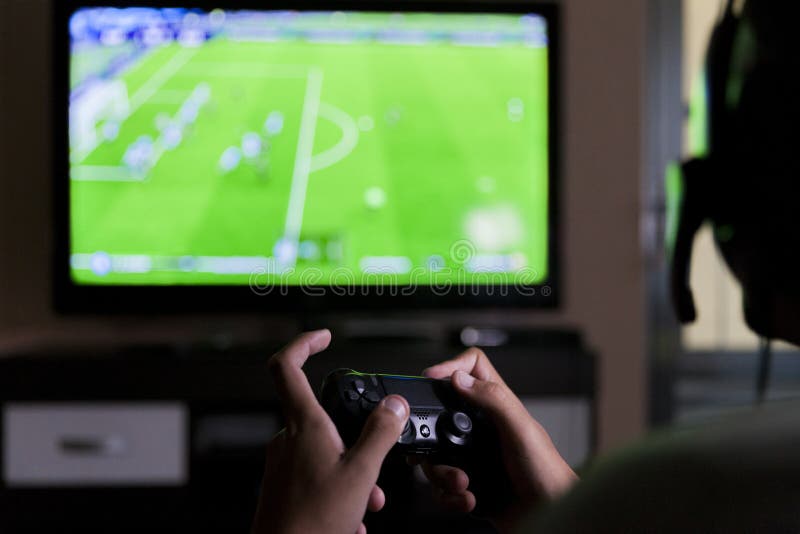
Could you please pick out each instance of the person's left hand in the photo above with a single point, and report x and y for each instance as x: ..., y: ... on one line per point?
x: 311, y: 482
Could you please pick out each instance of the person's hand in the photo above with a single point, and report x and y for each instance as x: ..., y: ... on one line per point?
x: 537, y: 471
x: 311, y: 482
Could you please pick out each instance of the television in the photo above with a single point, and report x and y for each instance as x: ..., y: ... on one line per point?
x: 250, y: 156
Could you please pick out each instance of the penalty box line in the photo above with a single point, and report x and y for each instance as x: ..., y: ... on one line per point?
x: 176, y: 61
x: 115, y: 173
x: 302, y: 162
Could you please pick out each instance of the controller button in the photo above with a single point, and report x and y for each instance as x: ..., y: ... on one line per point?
x: 351, y: 395
x: 372, y: 396
x: 358, y: 385
x: 366, y: 405
x: 462, y: 423
x: 424, y: 431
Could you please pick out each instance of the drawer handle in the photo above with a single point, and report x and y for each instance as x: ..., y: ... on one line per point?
x: 92, y: 445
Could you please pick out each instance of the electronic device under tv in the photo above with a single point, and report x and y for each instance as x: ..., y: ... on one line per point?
x: 232, y: 156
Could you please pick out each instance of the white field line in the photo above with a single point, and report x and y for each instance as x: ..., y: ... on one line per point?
x: 302, y: 161
x: 147, y: 90
x: 346, y: 144
x: 160, y: 78
x: 102, y: 173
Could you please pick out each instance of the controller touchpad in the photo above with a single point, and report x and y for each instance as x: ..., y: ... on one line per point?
x: 420, y: 392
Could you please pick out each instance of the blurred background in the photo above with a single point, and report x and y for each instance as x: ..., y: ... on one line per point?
x: 603, y: 368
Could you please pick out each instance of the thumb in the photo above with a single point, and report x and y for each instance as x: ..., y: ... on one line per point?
x: 380, y: 433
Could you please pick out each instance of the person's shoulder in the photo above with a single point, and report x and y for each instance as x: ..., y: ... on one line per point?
x: 737, y: 473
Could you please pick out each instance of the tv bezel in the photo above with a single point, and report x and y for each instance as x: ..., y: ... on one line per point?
x: 70, y: 297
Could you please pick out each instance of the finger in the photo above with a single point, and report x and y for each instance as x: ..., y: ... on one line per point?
x: 446, y: 478
x: 520, y: 434
x: 376, y: 499
x: 296, y: 395
x: 472, y: 361
x: 276, y: 444
x: 456, y: 502
x: 494, y: 398
x: 362, y: 529
x: 381, y: 431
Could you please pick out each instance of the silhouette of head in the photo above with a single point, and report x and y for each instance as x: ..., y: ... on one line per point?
x: 747, y: 186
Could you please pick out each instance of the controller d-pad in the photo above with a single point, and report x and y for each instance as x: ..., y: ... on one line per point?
x: 358, y: 385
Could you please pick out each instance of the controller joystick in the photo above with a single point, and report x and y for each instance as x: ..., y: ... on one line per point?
x: 456, y: 427
x: 408, y: 434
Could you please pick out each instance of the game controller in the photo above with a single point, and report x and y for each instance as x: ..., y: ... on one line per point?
x: 442, y: 427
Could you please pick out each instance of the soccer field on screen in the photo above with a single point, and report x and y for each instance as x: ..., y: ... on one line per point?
x: 298, y: 160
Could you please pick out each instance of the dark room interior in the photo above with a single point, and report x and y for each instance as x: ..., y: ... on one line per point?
x: 187, y: 187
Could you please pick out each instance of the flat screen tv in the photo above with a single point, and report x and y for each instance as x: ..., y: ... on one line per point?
x: 232, y: 156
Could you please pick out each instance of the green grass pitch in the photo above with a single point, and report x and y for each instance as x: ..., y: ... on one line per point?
x: 427, y: 125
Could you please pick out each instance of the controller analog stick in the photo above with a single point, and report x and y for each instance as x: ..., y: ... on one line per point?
x: 462, y: 424
x: 457, y: 427
x: 408, y: 433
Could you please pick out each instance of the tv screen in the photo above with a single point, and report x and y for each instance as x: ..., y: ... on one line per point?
x: 293, y: 148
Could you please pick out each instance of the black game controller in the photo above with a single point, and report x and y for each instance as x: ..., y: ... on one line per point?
x: 442, y: 427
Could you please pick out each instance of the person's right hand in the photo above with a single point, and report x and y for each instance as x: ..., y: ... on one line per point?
x: 537, y: 471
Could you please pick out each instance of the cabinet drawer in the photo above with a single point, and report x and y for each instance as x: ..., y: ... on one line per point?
x: 82, y: 444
